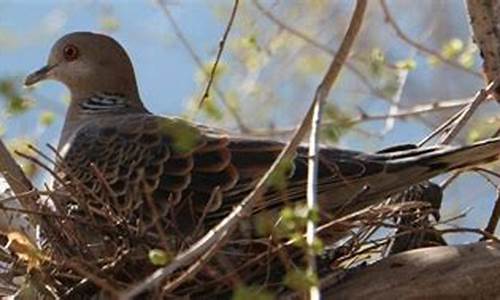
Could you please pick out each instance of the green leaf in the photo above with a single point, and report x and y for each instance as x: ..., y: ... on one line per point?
x: 250, y: 42
x: 211, y: 110
x: 377, y: 61
x: 338, y: 121
x: 17, y: 105
x: 467, y: 60
x: 264, y: 223
x: 185, y: 137
x: 160, y: 257
x: 310, y: 65
x: 407, y: 64
x: 313, y: 215
x: 109, y: 23
x: 252, y: 293
x: 452, y: 48
x: 279, y: 179
x: 300, y: 280
x: 317, y: 246
x: 47, y: 118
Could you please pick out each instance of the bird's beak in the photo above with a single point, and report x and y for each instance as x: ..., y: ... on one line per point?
x: 39, y: 75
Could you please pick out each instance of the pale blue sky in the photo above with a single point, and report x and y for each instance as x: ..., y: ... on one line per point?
x: 166, y: 73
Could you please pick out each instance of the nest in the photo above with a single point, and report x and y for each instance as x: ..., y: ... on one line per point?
x: 97, y: 252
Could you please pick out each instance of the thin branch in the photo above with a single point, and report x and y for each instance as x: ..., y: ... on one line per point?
x: 222, y: 43
x: 469, y: 111
x: 180, y: 35
x: 313, y: 160
x: 405, y: 38
x: 413, y: 111
x: 441, y: 128
x: 495, y: 215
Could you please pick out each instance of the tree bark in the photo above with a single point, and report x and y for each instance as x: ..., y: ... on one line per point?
x: 484, y: 21
x: 447, y: 272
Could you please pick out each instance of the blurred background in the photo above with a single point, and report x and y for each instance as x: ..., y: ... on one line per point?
x: 276, y: 54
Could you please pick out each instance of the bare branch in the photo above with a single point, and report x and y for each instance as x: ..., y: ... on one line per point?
x: 20, y: 185
x: 222, y: 42
x: 363, y: 117
x: 325, y: 48
x: 180, y: 35
x: 405, y: 38
x: 468, y: 112
x: 495, y: 215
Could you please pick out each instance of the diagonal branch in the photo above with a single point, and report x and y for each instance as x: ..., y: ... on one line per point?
x: 222, y: 43
x: 206, y: 245
x: 468, y: 111
x: 19, y: 183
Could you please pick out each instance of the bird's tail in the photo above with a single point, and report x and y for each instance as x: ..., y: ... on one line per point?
x: 441, y: 159
x: 392, y: 171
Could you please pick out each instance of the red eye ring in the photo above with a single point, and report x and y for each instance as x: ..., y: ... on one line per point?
x: 70, y: 52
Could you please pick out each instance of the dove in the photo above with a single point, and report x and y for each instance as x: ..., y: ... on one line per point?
x: 130, y: 159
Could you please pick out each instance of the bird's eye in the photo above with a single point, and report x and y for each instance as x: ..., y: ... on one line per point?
x: 70, y: 52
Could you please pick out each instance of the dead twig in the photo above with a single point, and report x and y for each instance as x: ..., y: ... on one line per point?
x: 468, y: 111
x: 222, y: 43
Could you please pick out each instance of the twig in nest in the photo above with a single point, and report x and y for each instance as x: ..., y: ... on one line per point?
x: 100, y: 282
x: 157, y: 222
x: 213, y: 198
x: 222, y: 43
x: 191, y: 271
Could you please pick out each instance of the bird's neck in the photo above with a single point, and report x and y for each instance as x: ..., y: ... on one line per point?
x: 95, y: 106
x: 102, y: 103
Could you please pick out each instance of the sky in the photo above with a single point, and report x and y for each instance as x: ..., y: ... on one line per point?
x: 166, y: 73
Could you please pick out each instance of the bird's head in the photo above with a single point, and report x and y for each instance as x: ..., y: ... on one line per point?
x: 88, y: 63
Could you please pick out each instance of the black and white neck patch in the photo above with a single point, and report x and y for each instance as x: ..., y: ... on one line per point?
x: 103, y: 102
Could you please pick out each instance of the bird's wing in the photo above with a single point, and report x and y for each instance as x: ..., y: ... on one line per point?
x: 123, y: 162
x: 199, y: 171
